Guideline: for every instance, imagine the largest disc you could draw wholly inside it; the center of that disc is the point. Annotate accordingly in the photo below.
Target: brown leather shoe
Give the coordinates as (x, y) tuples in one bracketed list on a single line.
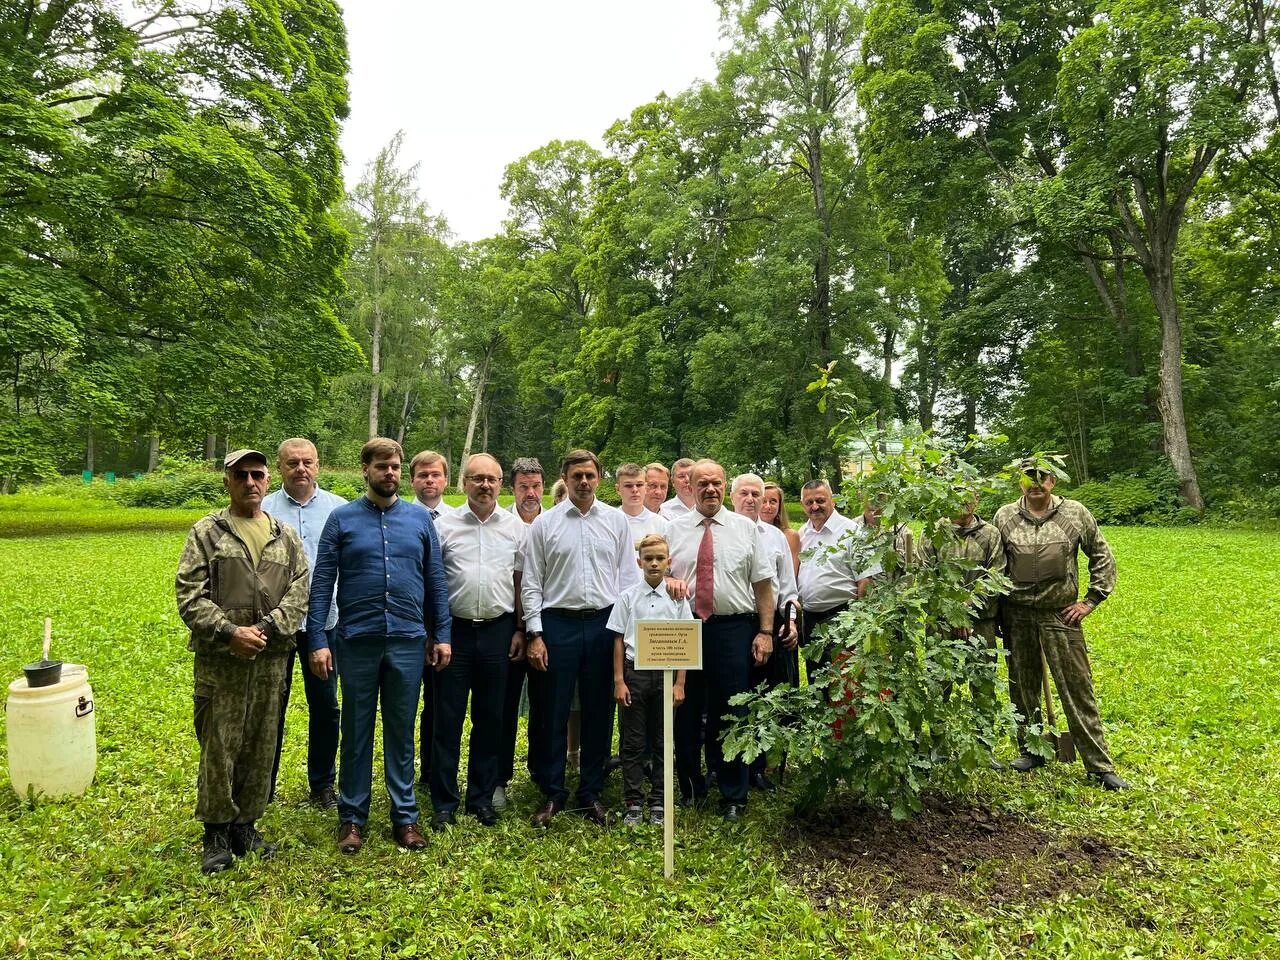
[(548, 810), (349, 838), (409, 837), (596, 813)]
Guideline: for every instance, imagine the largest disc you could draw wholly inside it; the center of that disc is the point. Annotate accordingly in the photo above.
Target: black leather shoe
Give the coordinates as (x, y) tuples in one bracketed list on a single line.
[(546, 812), (487, 816), (441, 820), (697, 801), (325, 798), (612, 764), (1110, 781), (762, 782), (732, 813), (1026, 763), (994, 764), (246, 839), (596, 813), (217, 848)]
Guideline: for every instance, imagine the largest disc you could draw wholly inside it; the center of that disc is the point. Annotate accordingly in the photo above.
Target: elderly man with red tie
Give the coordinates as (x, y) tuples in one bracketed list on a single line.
[(719, 554)]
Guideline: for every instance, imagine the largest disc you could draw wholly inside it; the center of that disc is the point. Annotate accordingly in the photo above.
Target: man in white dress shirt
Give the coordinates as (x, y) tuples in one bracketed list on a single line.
[(429, 476), (630, 481), (683, 502), (747, 493), (656, 480), (482, 549), (572, 560), (834, 570), (719, 555), (526, 486)]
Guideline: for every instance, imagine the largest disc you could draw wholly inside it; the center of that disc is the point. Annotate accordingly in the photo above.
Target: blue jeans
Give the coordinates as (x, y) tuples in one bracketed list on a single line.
[(373, 669), (579, 653)]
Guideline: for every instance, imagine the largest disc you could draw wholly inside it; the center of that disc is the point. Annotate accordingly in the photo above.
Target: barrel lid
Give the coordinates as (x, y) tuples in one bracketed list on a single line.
[(73, 675)]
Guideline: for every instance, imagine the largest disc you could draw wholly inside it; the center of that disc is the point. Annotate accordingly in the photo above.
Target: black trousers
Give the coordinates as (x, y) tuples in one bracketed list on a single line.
[(782, 667), (641, 726), (478, 669), (323, 720), (426, 724), (517, 672), (579, 653), (726, 670)]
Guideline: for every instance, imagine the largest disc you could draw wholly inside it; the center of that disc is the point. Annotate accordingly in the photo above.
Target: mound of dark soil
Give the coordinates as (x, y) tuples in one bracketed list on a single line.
[(972, 854)]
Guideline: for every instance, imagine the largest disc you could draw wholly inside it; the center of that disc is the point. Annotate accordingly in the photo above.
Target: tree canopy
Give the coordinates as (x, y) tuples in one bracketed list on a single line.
[(1055, 222)]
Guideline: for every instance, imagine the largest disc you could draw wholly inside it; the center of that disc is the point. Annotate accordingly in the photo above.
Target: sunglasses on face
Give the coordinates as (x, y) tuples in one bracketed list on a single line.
[(242, 475), (1039, 476)]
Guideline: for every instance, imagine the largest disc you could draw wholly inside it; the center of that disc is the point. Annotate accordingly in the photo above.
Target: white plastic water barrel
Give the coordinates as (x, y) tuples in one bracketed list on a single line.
[(53, 745)]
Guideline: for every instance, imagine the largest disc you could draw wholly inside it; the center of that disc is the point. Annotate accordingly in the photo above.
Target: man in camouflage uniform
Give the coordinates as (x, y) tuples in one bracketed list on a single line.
[(1042, 534), (242, 590), (980, 544)]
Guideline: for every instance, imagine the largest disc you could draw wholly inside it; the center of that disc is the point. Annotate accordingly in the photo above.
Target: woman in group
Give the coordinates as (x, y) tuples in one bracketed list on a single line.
[(773, 510)]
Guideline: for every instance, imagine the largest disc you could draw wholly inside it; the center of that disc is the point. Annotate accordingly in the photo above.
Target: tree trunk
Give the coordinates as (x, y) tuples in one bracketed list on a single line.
[(211, 445), (484, 431), (153, 452), (375, 346), (477, 401), (887, 346), (404, 415), (1172, 415), (88, 448)]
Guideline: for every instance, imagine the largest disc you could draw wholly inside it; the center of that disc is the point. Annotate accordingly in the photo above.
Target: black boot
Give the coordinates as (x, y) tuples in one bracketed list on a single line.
[(217, 848), (245, 838)]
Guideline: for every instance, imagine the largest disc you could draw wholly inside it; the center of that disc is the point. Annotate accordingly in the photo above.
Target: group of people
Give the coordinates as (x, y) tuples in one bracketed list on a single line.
[(397, 603)]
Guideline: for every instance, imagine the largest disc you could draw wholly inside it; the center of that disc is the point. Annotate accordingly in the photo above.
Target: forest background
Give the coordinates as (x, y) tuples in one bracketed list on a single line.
[(1055, 222)]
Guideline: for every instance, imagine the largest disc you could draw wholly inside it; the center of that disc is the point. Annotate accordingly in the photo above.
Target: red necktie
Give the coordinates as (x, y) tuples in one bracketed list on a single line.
[(704, 591)]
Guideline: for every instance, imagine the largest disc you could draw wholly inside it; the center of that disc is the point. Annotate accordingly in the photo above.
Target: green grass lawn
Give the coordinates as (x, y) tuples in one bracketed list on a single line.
[(1187, 665)]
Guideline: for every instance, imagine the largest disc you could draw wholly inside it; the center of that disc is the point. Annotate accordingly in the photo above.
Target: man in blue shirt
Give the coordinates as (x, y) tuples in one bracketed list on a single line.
[(302, 505), (393, 607)]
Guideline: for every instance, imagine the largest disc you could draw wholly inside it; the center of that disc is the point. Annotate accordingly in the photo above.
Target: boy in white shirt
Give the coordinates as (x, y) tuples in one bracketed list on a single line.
[(639, 692)]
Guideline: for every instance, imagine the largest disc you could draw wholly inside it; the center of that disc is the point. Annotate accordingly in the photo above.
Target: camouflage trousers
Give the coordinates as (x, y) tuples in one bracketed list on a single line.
[(1027, 631), (237, 718)]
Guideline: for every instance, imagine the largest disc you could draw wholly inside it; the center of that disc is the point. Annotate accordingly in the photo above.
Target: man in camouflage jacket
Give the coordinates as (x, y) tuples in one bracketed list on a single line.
[(980, 544), (1042, 611), (242, 588)]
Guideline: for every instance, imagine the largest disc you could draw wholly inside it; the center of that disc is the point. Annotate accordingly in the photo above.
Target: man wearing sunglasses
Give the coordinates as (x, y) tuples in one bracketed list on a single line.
[(242, 591), (1043, 611)]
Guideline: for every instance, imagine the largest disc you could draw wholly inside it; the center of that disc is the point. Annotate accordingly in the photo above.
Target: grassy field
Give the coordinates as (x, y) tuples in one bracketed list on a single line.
[(1187, 662)]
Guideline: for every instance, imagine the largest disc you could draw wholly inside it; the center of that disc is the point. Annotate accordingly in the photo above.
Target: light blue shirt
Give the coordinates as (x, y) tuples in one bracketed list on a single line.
[(308, 520)]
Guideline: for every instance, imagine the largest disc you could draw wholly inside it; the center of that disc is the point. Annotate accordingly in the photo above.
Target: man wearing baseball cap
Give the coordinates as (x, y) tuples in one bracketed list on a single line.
[(1043, 611), (242, 591)]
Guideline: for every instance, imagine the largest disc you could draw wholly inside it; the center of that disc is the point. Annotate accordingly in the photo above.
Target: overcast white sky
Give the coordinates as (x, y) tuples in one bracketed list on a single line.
[(478, 85)]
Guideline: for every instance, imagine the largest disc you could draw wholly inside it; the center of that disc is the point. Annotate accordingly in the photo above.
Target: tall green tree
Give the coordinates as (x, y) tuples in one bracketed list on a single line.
[(166, 183)]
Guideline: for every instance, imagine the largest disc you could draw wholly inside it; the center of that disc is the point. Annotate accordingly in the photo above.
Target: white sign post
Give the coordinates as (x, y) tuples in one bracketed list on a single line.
[(668, 645)]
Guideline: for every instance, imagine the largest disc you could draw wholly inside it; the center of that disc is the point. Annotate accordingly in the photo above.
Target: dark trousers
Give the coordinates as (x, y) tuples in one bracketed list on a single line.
[(641, 729), (726, 670), (373, 670), (323, 718), (782, 668), (426, 725), (579, 652), (516, 674), (477, 669)]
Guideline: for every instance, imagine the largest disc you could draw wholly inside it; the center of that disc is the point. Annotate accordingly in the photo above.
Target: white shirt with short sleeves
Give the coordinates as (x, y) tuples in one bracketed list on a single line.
[(829, 577), (774, 543), (740, 561), (481, 558), (643, 602), (572, 559), (641, 526)]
